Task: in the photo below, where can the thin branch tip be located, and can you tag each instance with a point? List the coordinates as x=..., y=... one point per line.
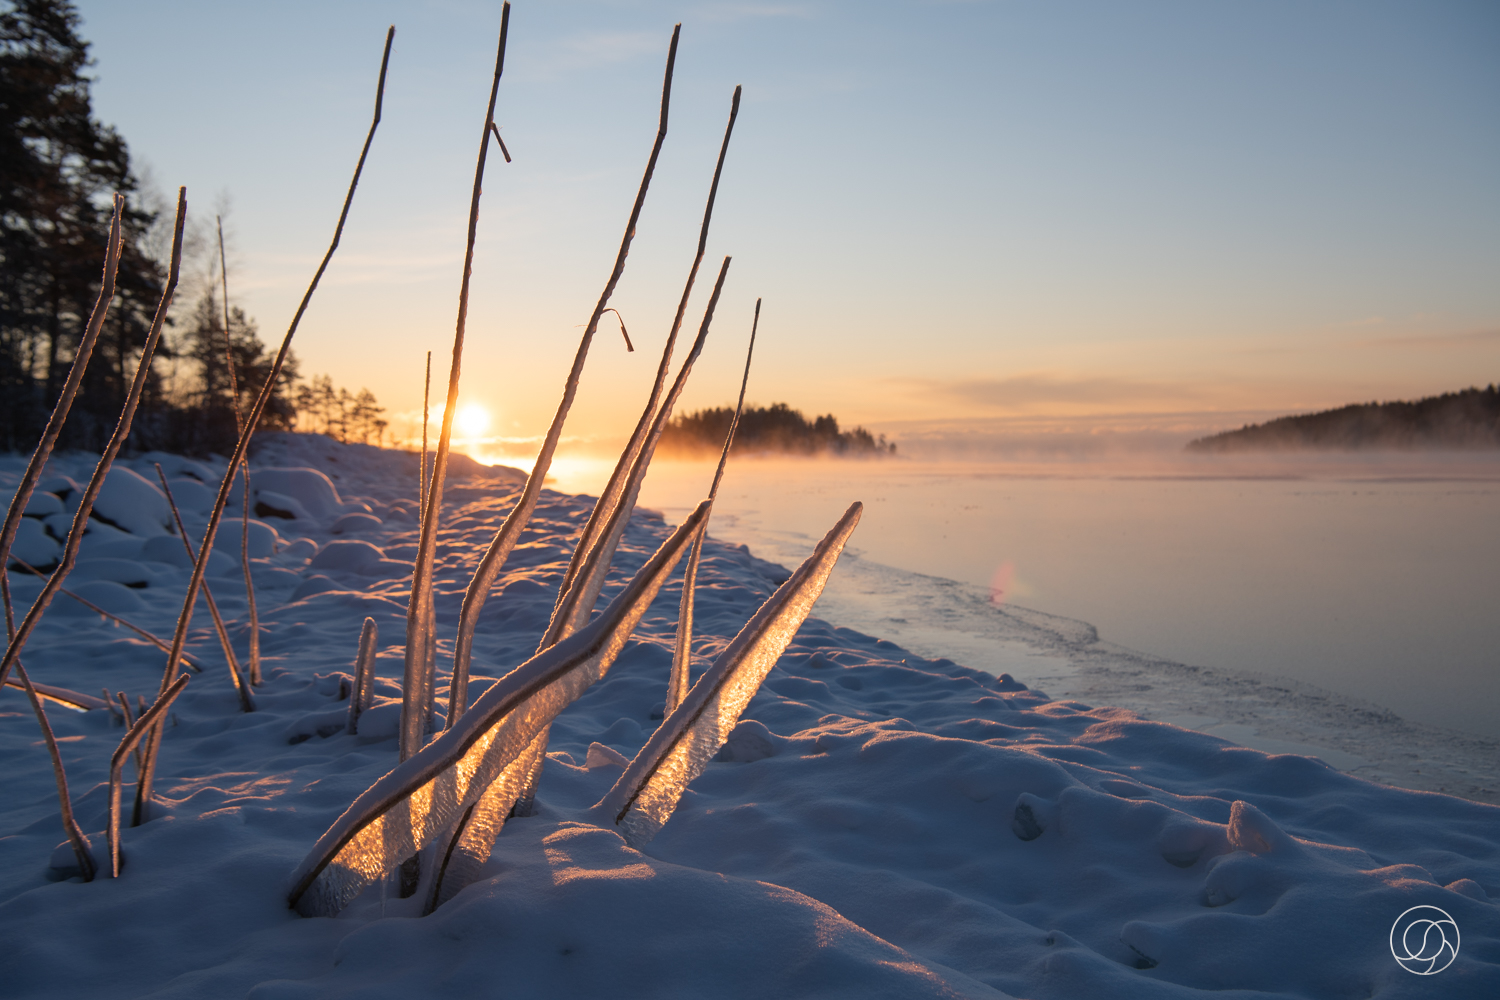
x=503, y=151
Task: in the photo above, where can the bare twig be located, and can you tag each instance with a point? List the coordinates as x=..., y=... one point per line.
x=515, y=522
x=623, y=332
x=503, y=151
x=247, y=700
x=415, y=684
x=143, y=789
x=54, y=427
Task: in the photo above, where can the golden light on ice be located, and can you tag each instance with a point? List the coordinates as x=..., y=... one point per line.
x=473, y=420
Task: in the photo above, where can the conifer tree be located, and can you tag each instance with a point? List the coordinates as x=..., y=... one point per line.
x=59, y=168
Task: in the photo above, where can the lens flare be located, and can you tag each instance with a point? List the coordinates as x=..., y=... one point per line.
x=1002, y=584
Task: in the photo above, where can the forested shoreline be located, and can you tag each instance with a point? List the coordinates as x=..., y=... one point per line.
x=776, y=428
x=1469, y=419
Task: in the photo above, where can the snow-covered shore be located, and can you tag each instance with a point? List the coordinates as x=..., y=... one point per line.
x=881, y=824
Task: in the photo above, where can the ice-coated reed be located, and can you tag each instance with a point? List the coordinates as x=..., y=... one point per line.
x=143, y=725
x=588, y=569
x=422, y=460
x=241, y=685
x=577, y=602
x=515, y=522
x=424, y=796
x=43, y=450
x=19, y=635
x=82, y=849
x=611, y=493
x=682, y=646
x=16, y=637
x=129, y=720
x=419, y=674
x=645, y=796
x=239, y=428
x=364, y=674
x=75, y=700
x=179, y=637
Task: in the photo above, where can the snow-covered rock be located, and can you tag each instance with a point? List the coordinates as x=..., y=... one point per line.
x=192, y=495
x=350, y=555
x=115, y=598
x=131, y=503
x=354, y=524
x=63, y=486
x=264, y=541
x=128, y=572
x=168, y=549
x=269, y=503
x=44, y=504
x=313, y=491
x=34, y=545
x=180, y=467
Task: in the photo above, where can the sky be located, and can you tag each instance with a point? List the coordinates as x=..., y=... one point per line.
x=964, y=218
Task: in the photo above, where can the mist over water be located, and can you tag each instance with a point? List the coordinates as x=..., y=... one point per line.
x=1372, y=576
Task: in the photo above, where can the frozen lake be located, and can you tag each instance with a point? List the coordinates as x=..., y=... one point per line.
x=1372, y=577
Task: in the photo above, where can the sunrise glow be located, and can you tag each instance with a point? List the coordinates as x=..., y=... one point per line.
x=473, y=420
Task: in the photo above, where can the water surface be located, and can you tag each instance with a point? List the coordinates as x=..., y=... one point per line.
x=1373, y=576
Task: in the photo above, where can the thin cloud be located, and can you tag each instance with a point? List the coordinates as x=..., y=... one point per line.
x=728, y=12
x=594, y=50
x=278, y=271
x=1472, y=338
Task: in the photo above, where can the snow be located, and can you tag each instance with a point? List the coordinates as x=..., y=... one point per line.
x=130, y=502
x=877, y=824
x=33, y=544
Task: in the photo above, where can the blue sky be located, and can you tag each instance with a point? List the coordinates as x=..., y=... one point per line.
x=1167, y=214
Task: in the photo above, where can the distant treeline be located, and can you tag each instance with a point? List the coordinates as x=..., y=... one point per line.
x=1466, y=419
x=774, y=428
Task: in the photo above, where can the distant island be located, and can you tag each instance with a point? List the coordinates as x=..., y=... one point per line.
x=776, y=428
x=1468, y=419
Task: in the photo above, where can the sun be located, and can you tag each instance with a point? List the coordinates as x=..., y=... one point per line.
x=473, y=420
